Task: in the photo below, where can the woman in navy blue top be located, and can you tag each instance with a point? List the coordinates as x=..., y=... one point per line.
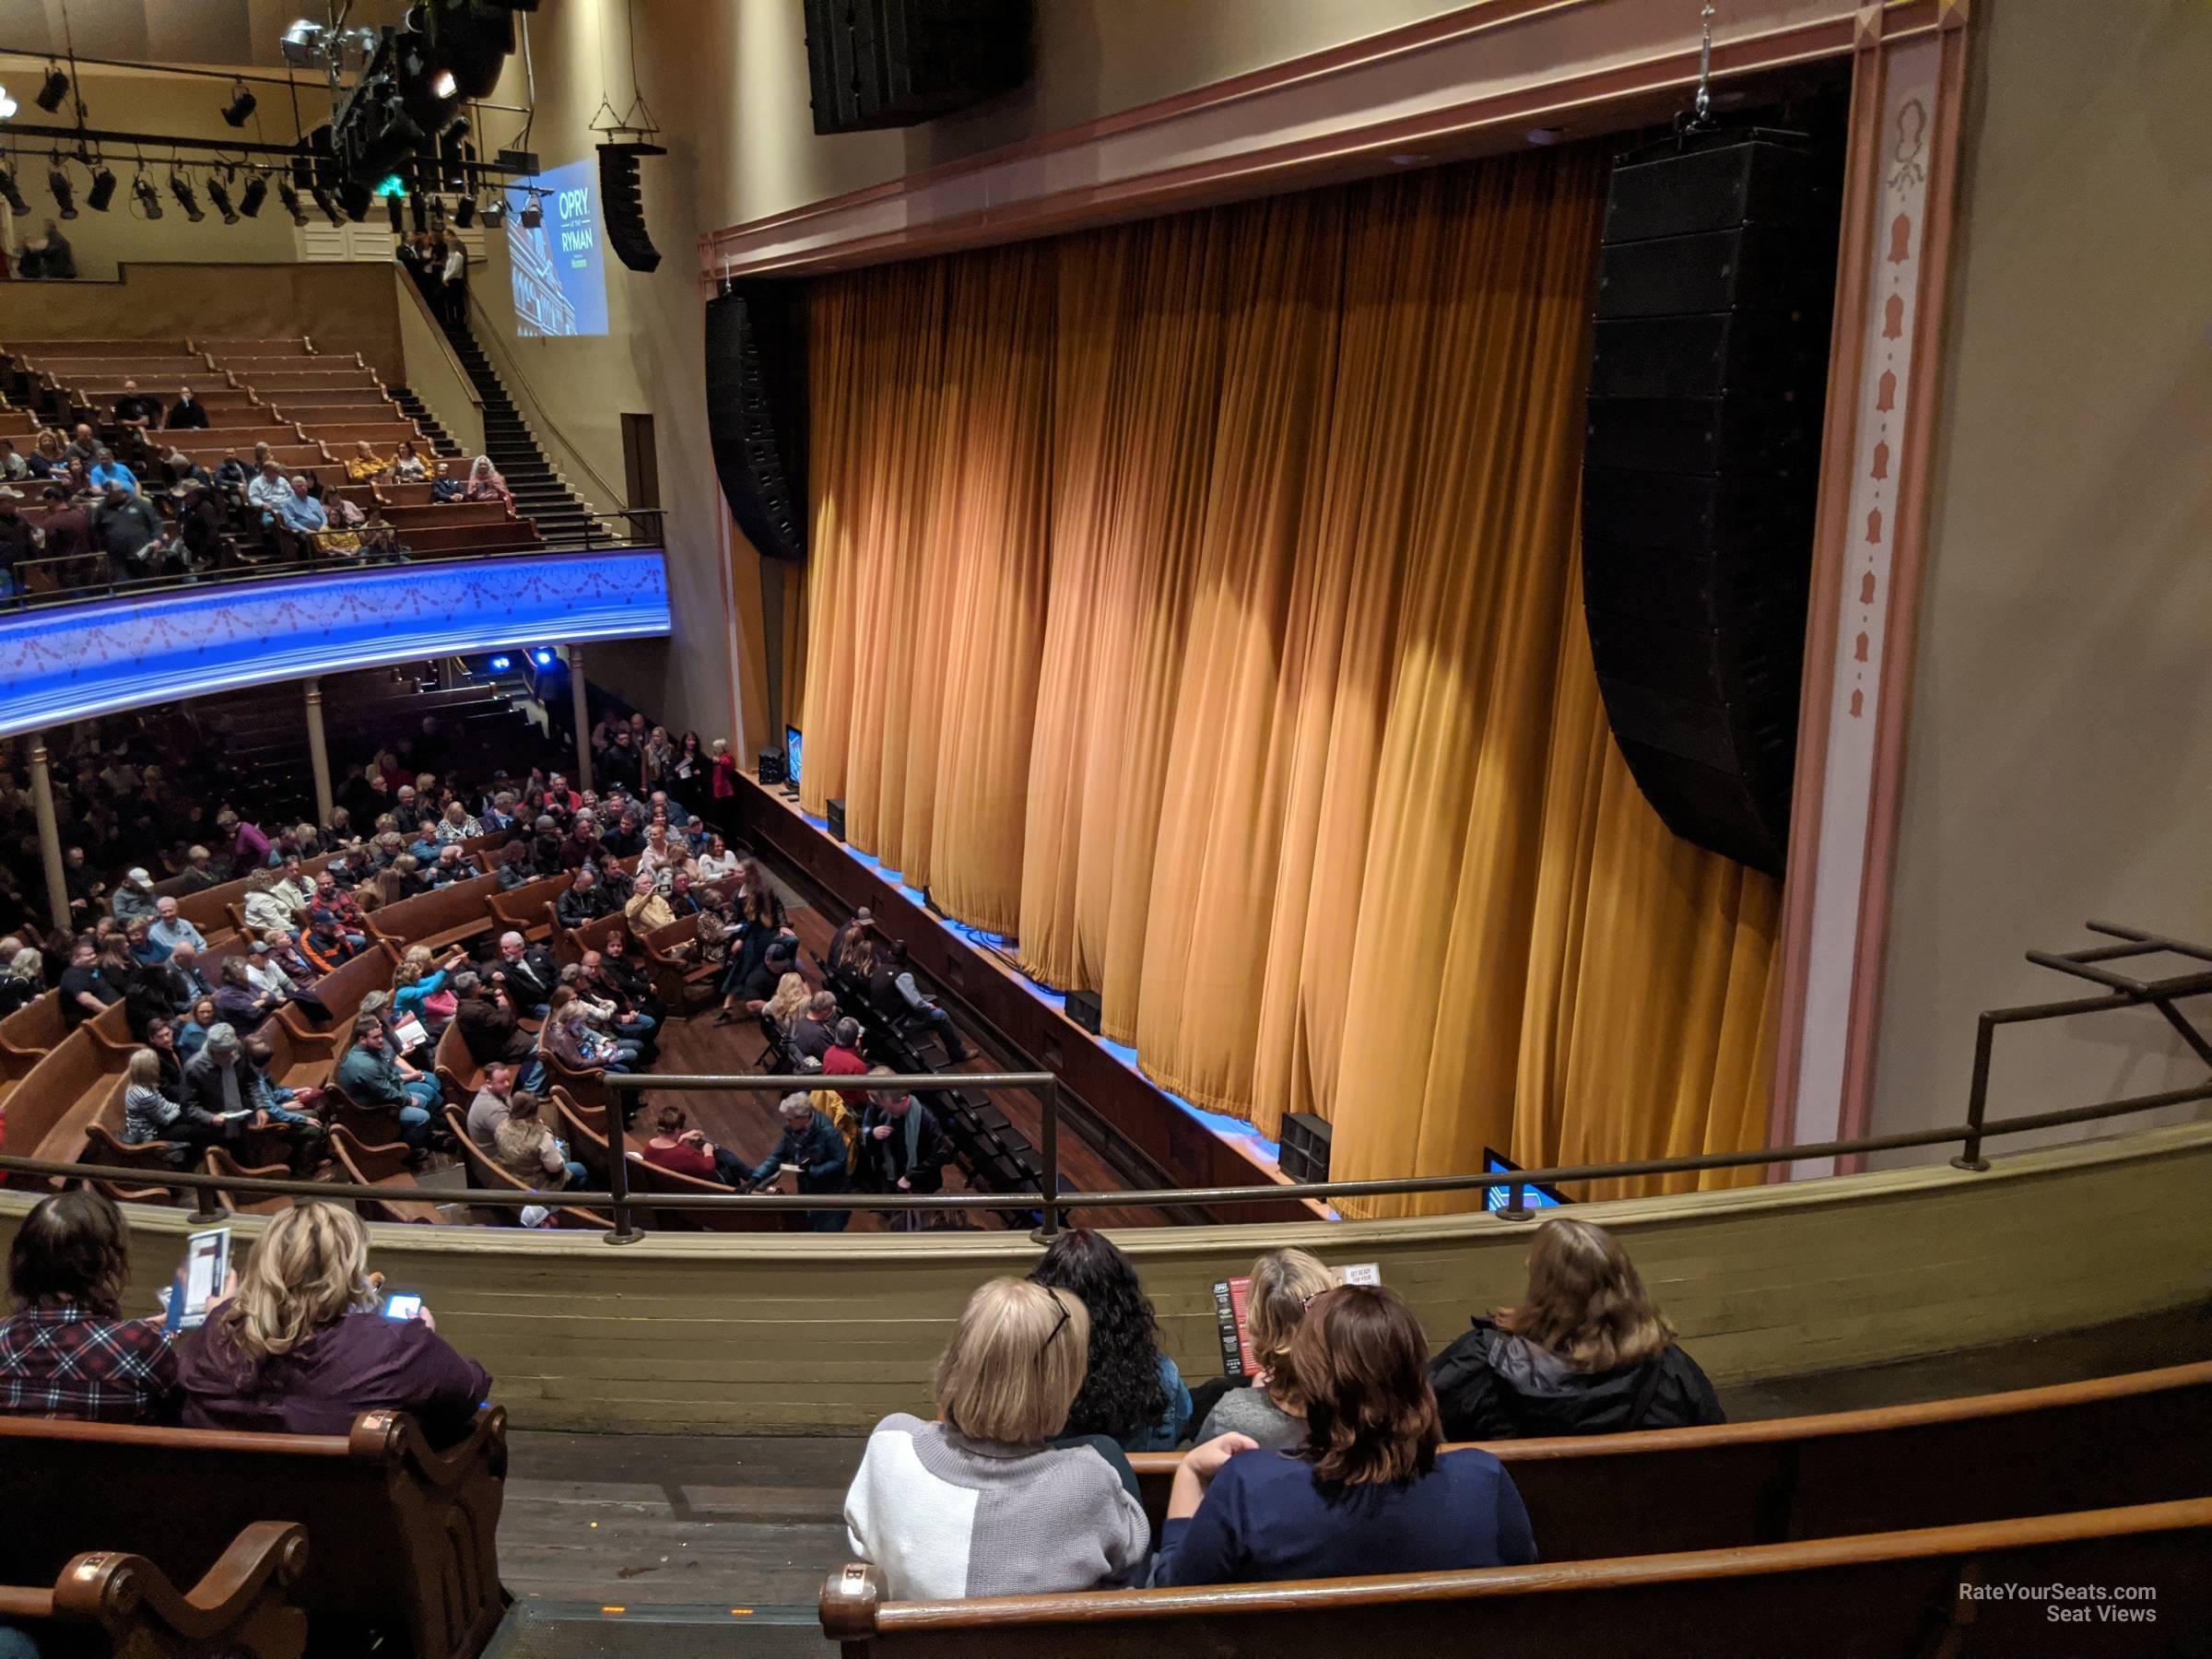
x=1367, y=1492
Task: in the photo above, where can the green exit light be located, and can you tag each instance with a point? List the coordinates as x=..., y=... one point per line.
x=393, y=186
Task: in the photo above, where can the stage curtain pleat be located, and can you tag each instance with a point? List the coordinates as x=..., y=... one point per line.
x=1242, y=548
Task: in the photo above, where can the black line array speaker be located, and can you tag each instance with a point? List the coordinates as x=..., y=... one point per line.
x=898, y=62
x=757, y=411
x=1700, y=468
x=622, y=202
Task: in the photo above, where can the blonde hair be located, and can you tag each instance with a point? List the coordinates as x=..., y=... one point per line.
x=1016, y=1364
x=1283, y=1281
x=144, y=1068
x=792, y=994
x=1586, y=1303
x=307, y=1269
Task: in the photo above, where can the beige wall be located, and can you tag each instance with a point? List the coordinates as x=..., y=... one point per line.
x=2059, y=762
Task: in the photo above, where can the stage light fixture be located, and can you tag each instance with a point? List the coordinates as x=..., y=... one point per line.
x=186, y=198
x=240, y=107
x=444, y=85
x=464, y=212
x=55, y=88
x=257, y=192
x=149, y=199
x=13, y=193
x=7, y=105
x=495, y=213
x=533, y=215
x=542, y=657
x=500, y=665
x=64, y=194
x=395, y=210
x=329, y=206
x=301, y=43
x=288, y=193
x=219, y=193
x=356, y=199
x=102, y=191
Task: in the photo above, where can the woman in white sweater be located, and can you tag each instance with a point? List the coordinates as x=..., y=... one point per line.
x=978, y=1502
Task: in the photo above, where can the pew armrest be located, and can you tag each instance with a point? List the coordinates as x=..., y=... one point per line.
x=118, y=1592
x=395, y=1436
x=850, y=1598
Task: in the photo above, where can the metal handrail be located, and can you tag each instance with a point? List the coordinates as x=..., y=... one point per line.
x=1048, y=1197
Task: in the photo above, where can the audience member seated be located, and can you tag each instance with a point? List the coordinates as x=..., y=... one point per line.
x=485, y=483
x=85, y=988
x=326, y=946
x=979, y=1502
x=407, y=468
x=170, y=929
x=22, y=979
x=303, y=1349
x=67, y=1351
x=813, y=1034
x=584, y=902
x=1267, y=1412
x=690, y=1152
x=1367, y=1492
x=373, y=1077
x=149, y=1115
x=133, y=896
x=891, y=985
x=185, y=414
x=365, y=463
x=238, y=1000
x=792, y=1003
x=526, y=1150
x=268, y=491
x=135, y=410
x=491, y=1029
x=717, y=864
x=200, y=1018
x=1132, y=1394
x=488, y=1107
x=420, y=987
x=843, y=1058
x=219, y=1081
x=812, y=1148
x=1587, y=1352
x=645, y=909
x=907, y=1147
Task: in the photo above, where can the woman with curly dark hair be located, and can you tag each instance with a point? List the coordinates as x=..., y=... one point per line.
x=1133, y=1394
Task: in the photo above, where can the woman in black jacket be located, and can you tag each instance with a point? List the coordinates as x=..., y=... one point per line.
x=1587, y=1352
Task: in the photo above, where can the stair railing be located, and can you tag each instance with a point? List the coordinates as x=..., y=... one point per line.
x=485, y=331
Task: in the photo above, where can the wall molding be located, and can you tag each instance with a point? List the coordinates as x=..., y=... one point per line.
x=1473, y=81
x=74, y=662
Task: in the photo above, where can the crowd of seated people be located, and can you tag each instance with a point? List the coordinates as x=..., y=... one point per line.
x=1331, y=1462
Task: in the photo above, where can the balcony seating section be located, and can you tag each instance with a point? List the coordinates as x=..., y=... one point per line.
x=402, y=1534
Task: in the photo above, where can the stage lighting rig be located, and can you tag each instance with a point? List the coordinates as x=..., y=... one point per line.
x=7, y=105
x=149, y=199
x=102, y=191
x=219, y=195
x=464, y=212
x=329, y=206
x=65, y=194
x=257, y=192
x=533, y=215
x=240, y=107
x=13, y=193
x=186, y=198
x=54, y=90
x=288, y=193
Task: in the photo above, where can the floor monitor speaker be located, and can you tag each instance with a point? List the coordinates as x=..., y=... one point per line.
x=1700, y=467
x=835, y=813
x=757, y=411
x=1086, y=1010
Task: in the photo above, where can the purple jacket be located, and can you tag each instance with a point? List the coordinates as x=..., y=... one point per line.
x=363, y=1362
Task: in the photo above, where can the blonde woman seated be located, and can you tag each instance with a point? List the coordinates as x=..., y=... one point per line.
x=455, y=825
x=303, y=1346
x=1587, y=1352
x=1268, y=1413
x=790, y=1002
x=979, y=1502
x=365, y=463
x=485, y=483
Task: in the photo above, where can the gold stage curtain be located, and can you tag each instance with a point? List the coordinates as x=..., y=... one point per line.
x=1199, y=600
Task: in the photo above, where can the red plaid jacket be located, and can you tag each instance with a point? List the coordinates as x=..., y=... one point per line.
x=71, y=1362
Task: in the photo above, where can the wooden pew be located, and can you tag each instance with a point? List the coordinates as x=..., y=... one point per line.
x=585, y=1129
x=440, y=918
x=342, y=990
x=385, y=1166
x=528, y=909
x=27, y=1033
x=1892, y=1593
x=124, y=1604
x=679, y=979
x=404, y=1536
x=483, y=1173
x=57, y=1100
x=2104, y=1444
x=104, y=1144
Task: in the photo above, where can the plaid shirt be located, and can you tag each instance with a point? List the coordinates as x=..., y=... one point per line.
x=71, y=1362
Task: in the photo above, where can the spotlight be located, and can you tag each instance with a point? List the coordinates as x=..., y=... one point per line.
x=464, y=212
x=240, y=106
x=456, y=134
x=495, y=213
x=219, y=195
x=500, y=665
x=542, y=657
x=149, y=199
x=302, y=43
x=55, y=88
x=330, y=207
x=7, y=105
x=444, y=85
x=102, y=191
x=288, y=193
x=14, y=195
x=58, y=182
x=257, y=192
x=188, y=198
x=535, y=215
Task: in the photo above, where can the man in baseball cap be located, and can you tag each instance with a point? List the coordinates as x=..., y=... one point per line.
x=134, y=900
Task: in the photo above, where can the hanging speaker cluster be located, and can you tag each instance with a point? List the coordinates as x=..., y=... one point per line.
x=899, y=63
x=757, y=411
x=1701, y=468
x=622, y=200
